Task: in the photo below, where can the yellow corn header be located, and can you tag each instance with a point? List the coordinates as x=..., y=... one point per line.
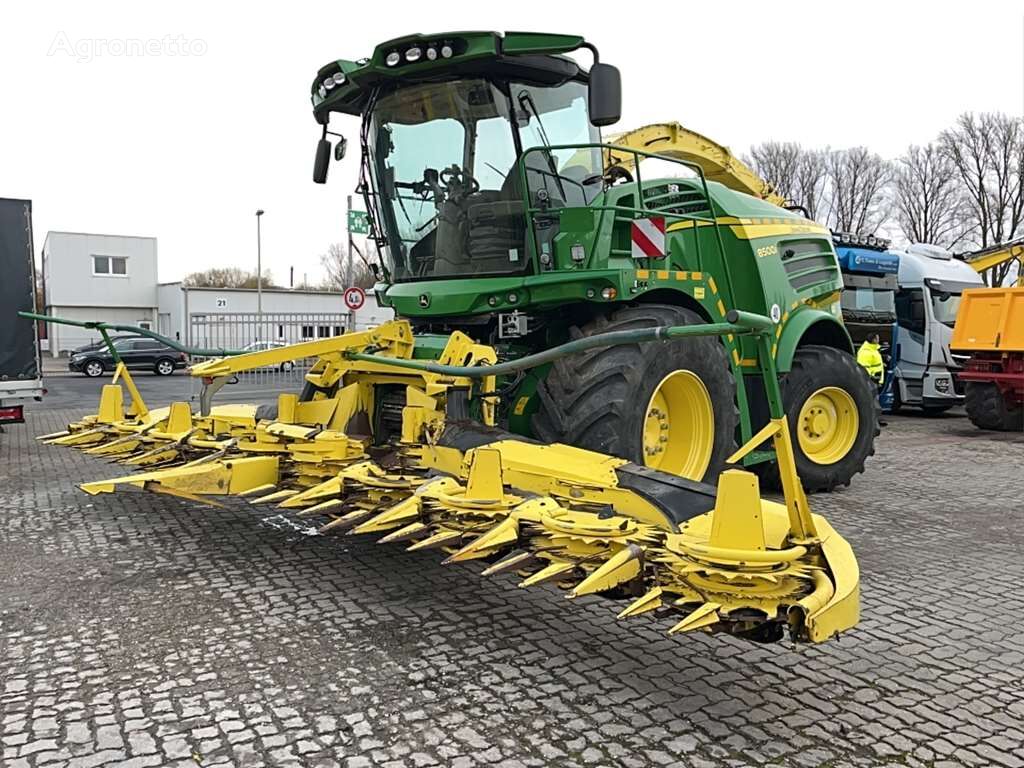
x=720, y=559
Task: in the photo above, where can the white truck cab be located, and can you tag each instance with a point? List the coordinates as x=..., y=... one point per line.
x=930, y=283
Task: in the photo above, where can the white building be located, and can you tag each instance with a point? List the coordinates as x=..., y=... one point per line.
x=113, y=278
x=227, y=317
x=97, y=277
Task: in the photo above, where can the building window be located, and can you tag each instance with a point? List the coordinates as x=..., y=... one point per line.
x=324, y=331
x=146, y=324
x=307, y=331
x=337, y=330
x=110, y=265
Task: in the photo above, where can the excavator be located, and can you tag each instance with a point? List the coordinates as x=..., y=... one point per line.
x=416, y=431
x=987, y=260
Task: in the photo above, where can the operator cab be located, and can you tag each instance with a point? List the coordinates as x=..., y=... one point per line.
x=449, y=140
x=447, y=182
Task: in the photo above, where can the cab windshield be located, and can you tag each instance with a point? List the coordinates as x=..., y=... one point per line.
x=868, y=302
x=446, y=188
x=945, y=305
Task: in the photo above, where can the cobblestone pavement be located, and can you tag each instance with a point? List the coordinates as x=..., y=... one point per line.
x=138, y=630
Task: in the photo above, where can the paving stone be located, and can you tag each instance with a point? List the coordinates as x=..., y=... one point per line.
x=140, y=630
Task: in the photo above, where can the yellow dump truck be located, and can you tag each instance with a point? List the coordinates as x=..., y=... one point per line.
x=990, y=328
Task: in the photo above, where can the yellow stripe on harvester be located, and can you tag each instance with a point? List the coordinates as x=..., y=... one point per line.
x=754, y=228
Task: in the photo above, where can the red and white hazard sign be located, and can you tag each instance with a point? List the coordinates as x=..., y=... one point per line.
x=648, y=236
x=354, y=297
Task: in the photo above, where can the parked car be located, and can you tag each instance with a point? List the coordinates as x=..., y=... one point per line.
x=260, y=346
x=92, y=346
x=137, y=352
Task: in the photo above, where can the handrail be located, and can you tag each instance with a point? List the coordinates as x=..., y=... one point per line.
x=616, y=148
x=637, y=154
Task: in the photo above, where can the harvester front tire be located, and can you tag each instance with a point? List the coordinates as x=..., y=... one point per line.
x=987, y=408
x=602, y=399
x=833, y=377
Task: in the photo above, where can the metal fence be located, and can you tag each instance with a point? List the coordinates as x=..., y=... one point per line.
x=247, y=330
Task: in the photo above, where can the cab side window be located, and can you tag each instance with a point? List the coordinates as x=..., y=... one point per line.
x=910, y=309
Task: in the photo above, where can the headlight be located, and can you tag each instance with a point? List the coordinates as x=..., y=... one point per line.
x=339, y=78
x=393, y=58
x=413, y=54
x=942, y=385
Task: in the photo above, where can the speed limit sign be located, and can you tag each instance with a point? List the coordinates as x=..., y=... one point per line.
x=354, y=297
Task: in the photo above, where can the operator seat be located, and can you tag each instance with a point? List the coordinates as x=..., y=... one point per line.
x=450, y=254
x=486, y=233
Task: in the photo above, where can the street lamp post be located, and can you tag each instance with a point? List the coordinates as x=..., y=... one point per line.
x=259, y=278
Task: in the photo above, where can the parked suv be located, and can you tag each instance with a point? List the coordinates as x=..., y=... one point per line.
x=137, y=352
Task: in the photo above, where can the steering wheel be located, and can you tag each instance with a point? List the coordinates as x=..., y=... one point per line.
x=458, y=183
x=613, y=174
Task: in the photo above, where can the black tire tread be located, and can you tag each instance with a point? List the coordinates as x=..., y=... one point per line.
x=987, y=408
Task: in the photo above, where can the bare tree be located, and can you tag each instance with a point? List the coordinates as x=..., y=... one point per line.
x=857, y=180
x=928, y=198
x=227, y=277
x=987, y=152
x=795, y=173
x=345, y=269
x=776, y=162
x=811, y=180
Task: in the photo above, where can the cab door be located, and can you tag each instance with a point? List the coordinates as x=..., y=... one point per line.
x=911, y=352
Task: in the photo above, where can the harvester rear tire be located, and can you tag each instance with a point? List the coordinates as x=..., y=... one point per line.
x=600, y=399
x=987, y=408
x=818, y=369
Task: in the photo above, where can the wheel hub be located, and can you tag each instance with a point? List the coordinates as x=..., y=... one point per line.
x=827, y=425
x=679, y=426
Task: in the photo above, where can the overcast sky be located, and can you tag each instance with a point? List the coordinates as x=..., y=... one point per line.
x=185, y=142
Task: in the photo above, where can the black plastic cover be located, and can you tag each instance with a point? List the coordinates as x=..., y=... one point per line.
x=678, y=498
x=19, y=358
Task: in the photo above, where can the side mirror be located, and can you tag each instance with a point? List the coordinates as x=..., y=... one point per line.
x=605, y=95
x=322, y=161
x=339, y=148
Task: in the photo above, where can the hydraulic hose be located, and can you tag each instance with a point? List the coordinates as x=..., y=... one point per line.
x=737, y=322
x=134, y=329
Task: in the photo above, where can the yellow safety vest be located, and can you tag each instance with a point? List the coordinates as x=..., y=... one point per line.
x=870, y=356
